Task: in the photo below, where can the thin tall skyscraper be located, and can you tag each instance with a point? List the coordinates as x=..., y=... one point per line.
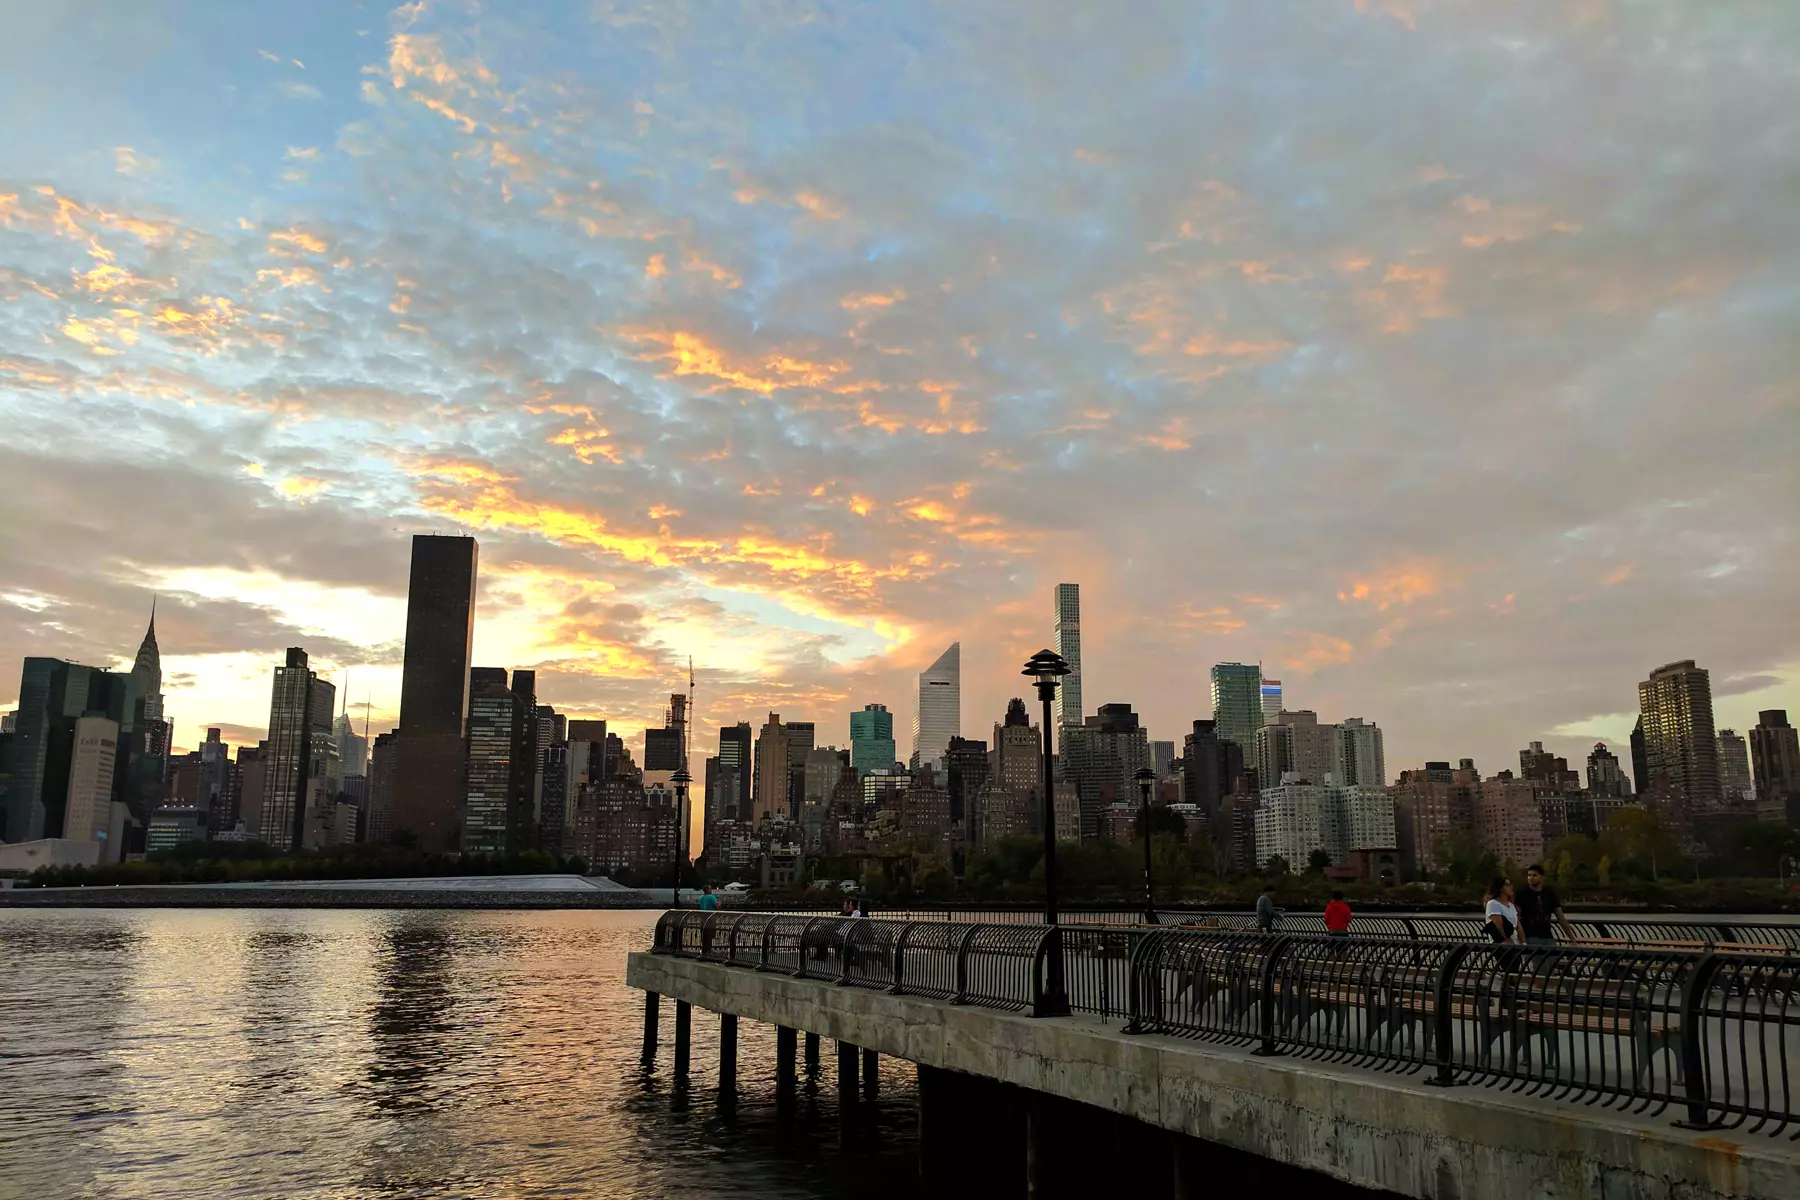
x=300, y=704
x=434, y=692
x=937, y=710
x=1066, y=641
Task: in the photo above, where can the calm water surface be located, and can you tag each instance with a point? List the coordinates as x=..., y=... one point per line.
x=261, y=1053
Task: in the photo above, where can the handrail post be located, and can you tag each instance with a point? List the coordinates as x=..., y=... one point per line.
x=1134, y=1009
x=962, y=965
x=1040, y=958
x=900, y=957
x=767, y=939
x=1267, y=1017
x=800, y=970
x=846, y=930
x=1412, y=931
x=1444, y=1016
x=1693, y=1041
x=731, y=940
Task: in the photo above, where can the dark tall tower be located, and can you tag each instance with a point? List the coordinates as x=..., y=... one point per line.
x=434, y=692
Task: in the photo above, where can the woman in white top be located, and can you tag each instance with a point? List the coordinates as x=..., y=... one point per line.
x=1502, y=917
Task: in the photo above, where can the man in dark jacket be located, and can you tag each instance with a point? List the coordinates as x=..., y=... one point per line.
x=1539, y=906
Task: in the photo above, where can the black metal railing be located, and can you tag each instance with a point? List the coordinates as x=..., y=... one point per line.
x=1713, y=1030
x=1646, y=932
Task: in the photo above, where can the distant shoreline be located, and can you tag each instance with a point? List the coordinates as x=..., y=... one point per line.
x=201, y=896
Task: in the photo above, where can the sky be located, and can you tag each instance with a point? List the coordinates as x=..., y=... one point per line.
x=1442, y=357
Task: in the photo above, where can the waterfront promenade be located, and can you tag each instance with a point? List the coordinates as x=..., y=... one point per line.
x=1428, y=1066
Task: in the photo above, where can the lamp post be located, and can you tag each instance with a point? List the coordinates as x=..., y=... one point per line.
x=680, y=779
x=1047, y=668
x=1145, y=777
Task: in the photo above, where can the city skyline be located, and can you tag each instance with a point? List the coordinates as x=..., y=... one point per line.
x=1572, y=744
x=1387, y=390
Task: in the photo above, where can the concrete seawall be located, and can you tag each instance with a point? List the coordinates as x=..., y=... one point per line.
x=1371, y=1129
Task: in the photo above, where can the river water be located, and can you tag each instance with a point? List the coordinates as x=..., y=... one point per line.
x=304, y=1053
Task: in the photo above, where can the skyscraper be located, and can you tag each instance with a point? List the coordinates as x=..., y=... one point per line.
x=1775, y=758
x=434, y=691
x=88, y=815
x=1102, y=759
x=53, y=695
x=1297, y=743
x=380, y=824
x=353, y=747
x=494, y=771
x=1361, y=757
x=735, y=770
x=872, y=738
x=1016, y=762
x=300, y=706
x=937, y=711
x=1604, y=776
x=1679, y=740
x=771, y=775
x=801, y=736
x=1066, y=641
x=1237, y=704
x=146, y=672
x=1271, y=700
x=1735, y=780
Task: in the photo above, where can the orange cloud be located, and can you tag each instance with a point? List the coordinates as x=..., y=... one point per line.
x=1399, y=586
x=1315, y=651
x=863, y=300
x=689, y=354
x=819, y=206
x=1618, y=575
x=285, y=242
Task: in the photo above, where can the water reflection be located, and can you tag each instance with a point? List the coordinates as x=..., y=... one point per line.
x=365, y=1054
x=409, y=1020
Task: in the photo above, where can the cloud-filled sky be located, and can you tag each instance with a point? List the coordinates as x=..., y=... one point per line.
x=1441, y=356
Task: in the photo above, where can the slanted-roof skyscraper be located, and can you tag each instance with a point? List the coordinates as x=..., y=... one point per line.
x=1066, y=641
x=434, y=691
x=937, y=711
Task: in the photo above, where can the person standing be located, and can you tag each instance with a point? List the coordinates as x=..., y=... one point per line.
x=1337, y=917
x=708, y=901
x=1266, y=912
x=1501, y=916
x=1538, y=907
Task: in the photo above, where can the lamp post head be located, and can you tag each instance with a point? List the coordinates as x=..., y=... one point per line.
x=1145, y=775
x=681, y=778
x=1047, y=667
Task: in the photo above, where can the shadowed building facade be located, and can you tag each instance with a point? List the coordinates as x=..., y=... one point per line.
x=434, y=692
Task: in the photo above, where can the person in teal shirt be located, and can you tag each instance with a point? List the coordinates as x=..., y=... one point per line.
x=708, y=901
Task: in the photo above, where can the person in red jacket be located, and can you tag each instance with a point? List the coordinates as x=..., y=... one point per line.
x=1337, y=917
